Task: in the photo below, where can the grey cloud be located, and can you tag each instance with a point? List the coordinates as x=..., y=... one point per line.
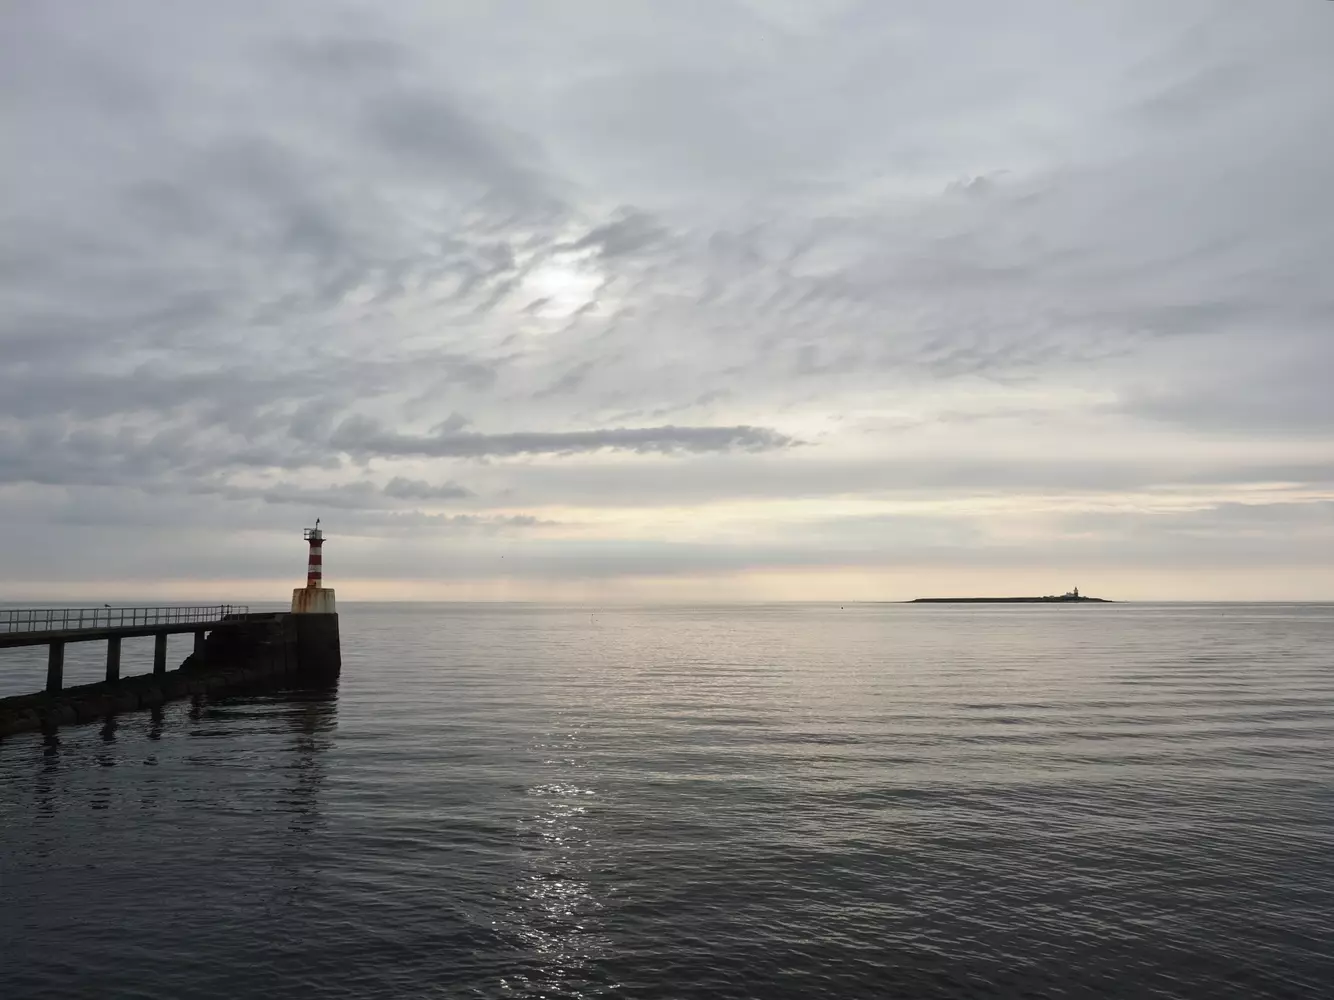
x=335, y=58
x=54, y=453
x=260, y=246
x=486, y=523
x=352, y=496
x=1249, y=385
x=453, y=422
x=570, y=381
x=624, y=236
x=1268, y=535
x=418, y=489
x=1086, y=544
x=156, y=529
x=1220, y=536
x=431, y=130
x=702, y=478
x=358, y=496
x=359, y=435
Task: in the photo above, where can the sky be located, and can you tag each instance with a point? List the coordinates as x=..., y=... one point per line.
x=708, y=300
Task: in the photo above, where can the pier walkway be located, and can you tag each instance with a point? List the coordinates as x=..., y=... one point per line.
x=54, y=627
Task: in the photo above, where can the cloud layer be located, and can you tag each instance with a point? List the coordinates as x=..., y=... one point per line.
x=864, y=294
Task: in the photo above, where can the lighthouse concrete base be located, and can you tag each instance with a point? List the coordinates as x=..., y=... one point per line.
x=316, y=619
x=318, y=648
x=313, y=601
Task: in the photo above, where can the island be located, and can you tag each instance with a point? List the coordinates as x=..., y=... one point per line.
x=1072, y=597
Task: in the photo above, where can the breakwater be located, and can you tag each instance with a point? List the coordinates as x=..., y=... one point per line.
x=238, y=653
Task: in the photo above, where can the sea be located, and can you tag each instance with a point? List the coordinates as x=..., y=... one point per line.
x=781, y=801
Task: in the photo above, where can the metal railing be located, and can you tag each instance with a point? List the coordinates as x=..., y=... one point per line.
x=66, y=619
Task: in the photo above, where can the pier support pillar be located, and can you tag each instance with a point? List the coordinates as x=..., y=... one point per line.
x=55, y=667
x=160, y=653
x=199, y=645
x=113, y=659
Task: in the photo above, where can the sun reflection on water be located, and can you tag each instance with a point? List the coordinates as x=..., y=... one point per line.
x=558, y=905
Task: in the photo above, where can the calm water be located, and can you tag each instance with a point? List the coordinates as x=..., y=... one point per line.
x=769, y=802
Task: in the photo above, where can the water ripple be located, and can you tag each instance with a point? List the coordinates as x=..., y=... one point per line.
x=772, y=802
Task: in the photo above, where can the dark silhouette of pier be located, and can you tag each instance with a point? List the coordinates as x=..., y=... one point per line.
x=232, y=648
x=55, y=627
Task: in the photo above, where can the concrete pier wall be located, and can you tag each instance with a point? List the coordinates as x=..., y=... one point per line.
x=248, y=652
x=319, y=651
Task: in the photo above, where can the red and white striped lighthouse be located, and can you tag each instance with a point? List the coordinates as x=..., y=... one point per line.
x=314, y=572
x=314, y=598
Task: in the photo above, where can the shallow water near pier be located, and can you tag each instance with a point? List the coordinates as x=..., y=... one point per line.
x=771, y=802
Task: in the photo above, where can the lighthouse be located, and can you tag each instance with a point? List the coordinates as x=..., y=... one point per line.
x=314, y=598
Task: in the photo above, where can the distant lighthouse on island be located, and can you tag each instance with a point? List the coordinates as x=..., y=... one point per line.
x=1072, y=596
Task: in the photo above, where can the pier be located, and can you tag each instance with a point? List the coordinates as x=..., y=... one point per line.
x=232, y=649
x=55, y=627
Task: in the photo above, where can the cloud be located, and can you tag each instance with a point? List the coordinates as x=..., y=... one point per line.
x=336, y=58
x=356, y=496
x=437, y=135
x=261, y=263
x=361, y=435
x=418, y=489
x=630, y=233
